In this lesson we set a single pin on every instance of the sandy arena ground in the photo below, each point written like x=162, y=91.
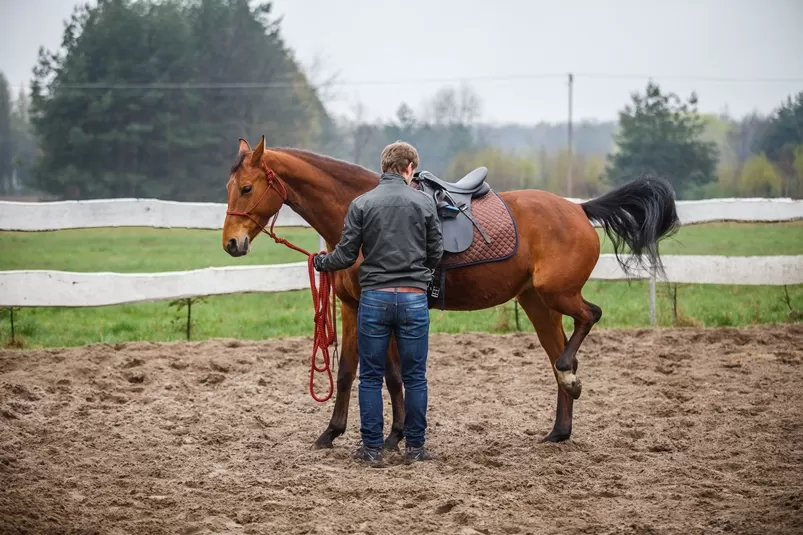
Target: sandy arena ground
x=677, y=431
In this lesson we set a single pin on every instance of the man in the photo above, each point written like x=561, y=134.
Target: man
x=400, y=235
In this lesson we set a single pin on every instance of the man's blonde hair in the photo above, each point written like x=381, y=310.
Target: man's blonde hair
x=397, y=156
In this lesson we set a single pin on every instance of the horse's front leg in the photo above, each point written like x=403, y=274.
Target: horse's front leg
x=393, y=380
x=346, y=372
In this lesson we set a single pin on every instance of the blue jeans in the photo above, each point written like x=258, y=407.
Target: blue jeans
x=407, y=315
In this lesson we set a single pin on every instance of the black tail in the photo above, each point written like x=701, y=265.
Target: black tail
x=637, y=214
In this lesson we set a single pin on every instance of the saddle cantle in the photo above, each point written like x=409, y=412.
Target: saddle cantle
x=476, y=224
x=453, y=200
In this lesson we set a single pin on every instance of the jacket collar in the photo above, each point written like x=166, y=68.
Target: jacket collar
x=391, y=178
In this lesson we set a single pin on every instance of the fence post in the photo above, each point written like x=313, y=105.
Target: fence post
x=189, y=318
x=652, y=296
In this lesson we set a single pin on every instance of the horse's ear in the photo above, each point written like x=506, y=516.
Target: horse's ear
x=244, y=146
x=258, y=152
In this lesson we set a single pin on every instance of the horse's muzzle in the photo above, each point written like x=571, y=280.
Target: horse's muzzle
x=234, y=248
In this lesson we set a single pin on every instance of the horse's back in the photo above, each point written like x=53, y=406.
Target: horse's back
x=542, y=209
x=554, y=230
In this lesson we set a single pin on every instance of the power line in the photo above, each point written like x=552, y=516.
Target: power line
x=287, y=83
x=691, y=78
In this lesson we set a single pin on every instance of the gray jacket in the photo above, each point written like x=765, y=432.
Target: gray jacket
x=399, y=232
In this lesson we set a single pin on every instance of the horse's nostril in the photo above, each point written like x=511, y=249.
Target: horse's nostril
x=231, y=246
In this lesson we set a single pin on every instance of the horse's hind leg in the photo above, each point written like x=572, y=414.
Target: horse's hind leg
x=585, y=315
x=393, y=380
x=549, y=328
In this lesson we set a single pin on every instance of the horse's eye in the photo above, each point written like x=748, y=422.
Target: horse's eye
x=245, y=189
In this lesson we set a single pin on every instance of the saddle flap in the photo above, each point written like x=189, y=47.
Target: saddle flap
x=454, y=213
x=458, y=231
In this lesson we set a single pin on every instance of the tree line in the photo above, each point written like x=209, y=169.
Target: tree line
x=17, y=143
x=139, y=102
x=148, y=98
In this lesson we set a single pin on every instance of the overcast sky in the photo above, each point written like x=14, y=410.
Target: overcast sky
x=388, y=51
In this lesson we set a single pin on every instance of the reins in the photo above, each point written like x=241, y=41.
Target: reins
x=325, y=332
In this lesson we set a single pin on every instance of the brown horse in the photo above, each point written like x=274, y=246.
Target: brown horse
x=557, y=250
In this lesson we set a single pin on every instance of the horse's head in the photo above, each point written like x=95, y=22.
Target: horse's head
x=254, y=196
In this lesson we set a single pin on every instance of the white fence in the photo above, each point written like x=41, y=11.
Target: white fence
x=61, y=215
x=33, y=288
x=42, y=216
x=37, y=288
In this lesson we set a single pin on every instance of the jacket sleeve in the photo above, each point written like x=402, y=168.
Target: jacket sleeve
x=347, y=251
x=434, y=238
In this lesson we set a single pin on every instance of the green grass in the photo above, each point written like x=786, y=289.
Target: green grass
x=734, y=239
x=140, y=250
x=259, y=316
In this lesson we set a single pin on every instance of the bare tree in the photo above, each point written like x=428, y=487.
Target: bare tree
x=449, y=106
x=360, y=132
x=441, y=109
x=6, y=145
x=469, y=105
x=322, y=79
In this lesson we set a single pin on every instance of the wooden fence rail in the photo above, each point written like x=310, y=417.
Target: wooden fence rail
x=42, y=288
x=61, y=215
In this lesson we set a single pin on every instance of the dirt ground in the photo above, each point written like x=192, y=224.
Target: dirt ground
x=677, y=431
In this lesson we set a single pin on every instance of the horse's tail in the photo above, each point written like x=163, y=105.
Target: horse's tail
x=637, y=214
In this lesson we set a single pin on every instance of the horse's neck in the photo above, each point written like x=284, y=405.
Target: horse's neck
x=322, y=200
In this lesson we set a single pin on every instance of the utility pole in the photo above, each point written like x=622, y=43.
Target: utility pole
x=569, y=180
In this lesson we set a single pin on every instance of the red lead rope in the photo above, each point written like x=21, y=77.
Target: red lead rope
x=325, y=332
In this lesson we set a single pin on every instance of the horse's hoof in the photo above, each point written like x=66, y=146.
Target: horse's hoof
x=323, y=442
x=392, y=442
x=556, y=436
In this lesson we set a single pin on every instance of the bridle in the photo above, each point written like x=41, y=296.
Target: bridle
x=325, y=320
x=277, y=185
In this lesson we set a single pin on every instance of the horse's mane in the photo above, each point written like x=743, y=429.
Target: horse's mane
x=339, y=169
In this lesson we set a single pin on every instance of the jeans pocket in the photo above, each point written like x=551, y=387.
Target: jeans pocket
x=419, y=304
x=415, y=317
x=373, y=307
x=371, y=300
x=371, y=318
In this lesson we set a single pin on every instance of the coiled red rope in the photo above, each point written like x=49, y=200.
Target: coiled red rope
x=325, y=333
